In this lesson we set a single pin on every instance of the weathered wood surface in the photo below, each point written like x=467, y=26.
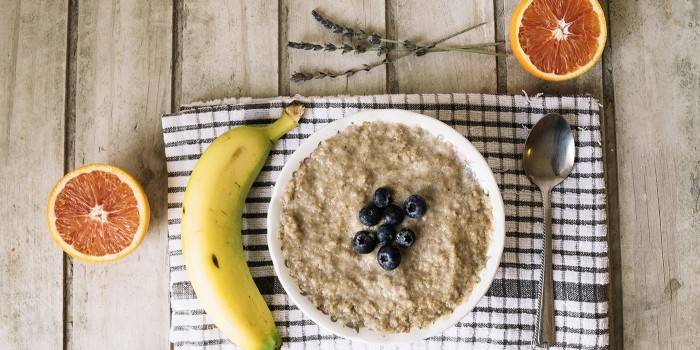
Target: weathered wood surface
x=122, y=86
x=32, y=100
x=656, y=69
x=119, y=81
x=228, y=48
x=443, y=72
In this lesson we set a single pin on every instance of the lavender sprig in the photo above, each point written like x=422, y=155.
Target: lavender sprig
x=304, y=76
x=382, y=49
x=342, y=48
x=379, y=44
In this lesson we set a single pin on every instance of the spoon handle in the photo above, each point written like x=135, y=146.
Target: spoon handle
x=545, y=319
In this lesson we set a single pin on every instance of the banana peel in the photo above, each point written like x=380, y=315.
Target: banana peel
x=211, y=231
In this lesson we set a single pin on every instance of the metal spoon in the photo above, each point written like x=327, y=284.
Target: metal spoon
x=548, y=159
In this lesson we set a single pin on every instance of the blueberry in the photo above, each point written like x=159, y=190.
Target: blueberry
x=389, y=257
x=364, y=242
x=386, y=233
x=382, y=197
x=405, y=238
x=370, y=215
x=414, y=206
x=393, y=214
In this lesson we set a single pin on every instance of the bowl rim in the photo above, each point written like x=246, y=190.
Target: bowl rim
x=476, y=164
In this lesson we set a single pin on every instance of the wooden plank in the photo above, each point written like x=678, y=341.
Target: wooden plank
x=425, y=21
x=122, y=88
x=615, y=314
x=518, y=80
x=228, y=49
x=658, y=137
x=32, y=111
x=301, y=26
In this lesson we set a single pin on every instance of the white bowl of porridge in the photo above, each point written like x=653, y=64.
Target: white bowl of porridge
x=313, y=218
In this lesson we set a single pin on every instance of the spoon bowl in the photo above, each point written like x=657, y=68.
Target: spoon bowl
x=549, y=152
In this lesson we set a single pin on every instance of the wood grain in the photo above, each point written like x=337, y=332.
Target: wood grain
x=657, y=79
x=228, y=48
x=122, y=88
x=518, y=80
x=425, y=21
x=32, y=102
x=301, y=26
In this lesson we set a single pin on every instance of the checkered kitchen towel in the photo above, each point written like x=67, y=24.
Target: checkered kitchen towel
x=498, y=127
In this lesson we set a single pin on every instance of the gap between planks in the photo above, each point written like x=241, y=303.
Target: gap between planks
x=176, y=64
x=69, y=159
x=500, y=25
x=283, y=72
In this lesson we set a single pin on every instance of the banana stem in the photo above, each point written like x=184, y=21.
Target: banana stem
x=287, y=121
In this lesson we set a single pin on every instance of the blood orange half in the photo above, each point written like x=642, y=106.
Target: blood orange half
x=98, y=213
x=557, y=39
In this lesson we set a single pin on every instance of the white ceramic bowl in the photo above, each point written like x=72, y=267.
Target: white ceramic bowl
x=479, y=168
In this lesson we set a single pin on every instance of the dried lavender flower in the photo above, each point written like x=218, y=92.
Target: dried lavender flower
x=409, y=45
x=383, y=49
x=348, y=32
x=304, y=46
x=374, y=39
x=299, y=76
x=347, y=48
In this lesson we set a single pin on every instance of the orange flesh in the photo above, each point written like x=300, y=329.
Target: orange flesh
x=559, y=35
x=97, y=214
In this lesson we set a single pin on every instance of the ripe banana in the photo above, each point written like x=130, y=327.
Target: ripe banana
x=211, y=231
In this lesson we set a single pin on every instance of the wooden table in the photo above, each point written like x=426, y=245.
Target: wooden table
x=86, y=81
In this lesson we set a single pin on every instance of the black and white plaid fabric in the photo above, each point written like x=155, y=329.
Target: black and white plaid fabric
x=498, y=127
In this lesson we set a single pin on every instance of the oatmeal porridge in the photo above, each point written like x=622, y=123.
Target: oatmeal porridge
x=319, y=219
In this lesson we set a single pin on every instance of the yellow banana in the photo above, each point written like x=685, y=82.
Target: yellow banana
x=211, y=231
